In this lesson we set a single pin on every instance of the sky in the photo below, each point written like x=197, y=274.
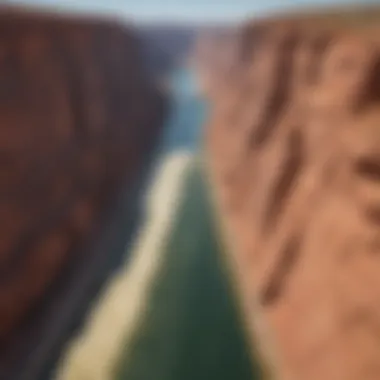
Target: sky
x=184, y=10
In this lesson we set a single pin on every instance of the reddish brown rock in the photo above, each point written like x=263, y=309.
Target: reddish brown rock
x=294, y=157
x=77, y=118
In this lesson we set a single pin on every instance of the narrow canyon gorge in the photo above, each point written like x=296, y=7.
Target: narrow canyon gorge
x=291, y=161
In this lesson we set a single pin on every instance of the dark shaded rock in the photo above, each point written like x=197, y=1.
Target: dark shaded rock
x=165, y=47
x=78, y=118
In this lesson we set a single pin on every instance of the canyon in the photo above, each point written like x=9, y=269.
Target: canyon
x=292, y=156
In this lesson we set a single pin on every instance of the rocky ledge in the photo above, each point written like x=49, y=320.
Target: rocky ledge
x=293, y=150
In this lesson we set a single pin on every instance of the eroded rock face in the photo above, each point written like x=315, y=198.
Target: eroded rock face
x=77, y=117
x=294, y=155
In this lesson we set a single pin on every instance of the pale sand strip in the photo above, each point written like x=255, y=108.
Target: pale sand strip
x=114, y=318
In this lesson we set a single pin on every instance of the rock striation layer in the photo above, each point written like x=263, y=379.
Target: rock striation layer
x=293, y=149
x=78, y=116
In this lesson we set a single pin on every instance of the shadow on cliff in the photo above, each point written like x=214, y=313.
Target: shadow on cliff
x=79, y=111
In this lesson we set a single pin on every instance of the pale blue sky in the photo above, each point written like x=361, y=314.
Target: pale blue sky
x=181, y=10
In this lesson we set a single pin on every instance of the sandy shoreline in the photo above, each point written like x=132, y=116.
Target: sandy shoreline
x=92, y=354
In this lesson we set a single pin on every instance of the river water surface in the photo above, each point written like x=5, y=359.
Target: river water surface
x=169, y=313
x=190, y=327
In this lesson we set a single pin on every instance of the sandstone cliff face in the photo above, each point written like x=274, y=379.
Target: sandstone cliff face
x=294, y=156
x=77, y=117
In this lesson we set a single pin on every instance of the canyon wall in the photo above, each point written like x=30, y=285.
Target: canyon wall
x=293, y=148
x=78, y=118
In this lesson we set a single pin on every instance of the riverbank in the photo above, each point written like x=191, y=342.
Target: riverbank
x=121, y=305
x=191, y=327
x=170, y=314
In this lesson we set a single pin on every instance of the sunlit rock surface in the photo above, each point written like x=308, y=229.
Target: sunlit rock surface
x=293, y=149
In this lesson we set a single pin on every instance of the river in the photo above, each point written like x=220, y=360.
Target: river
x=169, y=313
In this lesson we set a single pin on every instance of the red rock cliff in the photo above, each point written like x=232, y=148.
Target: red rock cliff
x=294, y=157
x=77, y=117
